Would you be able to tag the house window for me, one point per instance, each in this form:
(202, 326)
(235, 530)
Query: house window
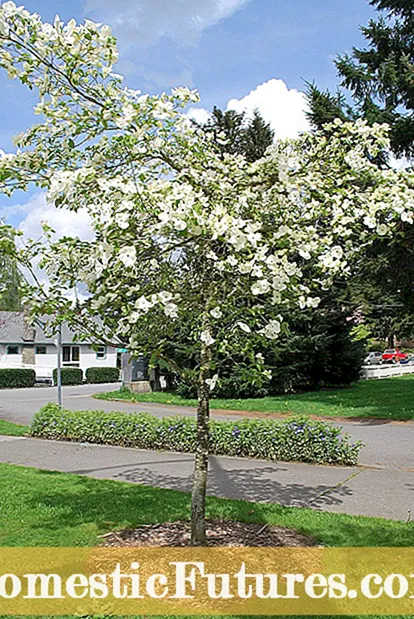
(12, 350)
(40, 350)
(70, 354)
(101, 352)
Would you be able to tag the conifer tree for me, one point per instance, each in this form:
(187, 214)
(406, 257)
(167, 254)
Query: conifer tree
(379, 77)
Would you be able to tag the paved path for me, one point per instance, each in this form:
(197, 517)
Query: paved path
(388, 445)
(383, 486)
(386, 493)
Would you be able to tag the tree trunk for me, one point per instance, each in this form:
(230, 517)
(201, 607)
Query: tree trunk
(198, 497)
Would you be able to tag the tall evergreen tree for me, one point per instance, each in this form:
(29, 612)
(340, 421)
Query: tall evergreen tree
(237, 134)
(380, 81)
(379, 78)
(10, 278)
(10, 285)
(228, 130)
(324, 106)
(258, 136)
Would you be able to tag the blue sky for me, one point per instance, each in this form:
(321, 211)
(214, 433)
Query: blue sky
(224, 48)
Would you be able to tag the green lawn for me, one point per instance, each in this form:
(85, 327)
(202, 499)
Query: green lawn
(12, 429)
(391, 398)
(39, 508)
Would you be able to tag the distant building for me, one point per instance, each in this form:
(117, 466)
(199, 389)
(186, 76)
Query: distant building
(26, 345)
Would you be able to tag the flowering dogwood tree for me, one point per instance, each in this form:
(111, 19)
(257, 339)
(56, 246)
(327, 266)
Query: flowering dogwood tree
(185, 238)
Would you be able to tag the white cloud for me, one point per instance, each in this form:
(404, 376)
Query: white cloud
(64, 222)
(284, 109)
(199, 114)
(400, 163)
(37, 210)
(144, 22)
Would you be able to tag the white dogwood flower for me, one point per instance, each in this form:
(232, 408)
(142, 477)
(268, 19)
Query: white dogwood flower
(216, 312)
(128, 256)
(260, 287)
(244, 327)
(271, 330)
(207, 338)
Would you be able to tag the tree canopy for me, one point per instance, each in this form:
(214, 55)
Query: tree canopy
(379, 81)
(238, 134)
(10, 278)
(184, 234)
(379, 77)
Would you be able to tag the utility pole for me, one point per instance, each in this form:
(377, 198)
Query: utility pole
(59, 365)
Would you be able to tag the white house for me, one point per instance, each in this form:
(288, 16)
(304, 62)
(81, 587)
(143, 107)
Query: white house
(25, 345)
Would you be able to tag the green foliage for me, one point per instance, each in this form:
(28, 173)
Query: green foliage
(102, 375)
(70, 376)
(324, 106)
(379, 77)
(296, 439)
(237, 384)
(380, 81)
(258, 136)
(235, 134)
(319, 351)
(11, 378)
(382, 287)
(229, 125)
(377, 345)
(403, 7)
(10, 278)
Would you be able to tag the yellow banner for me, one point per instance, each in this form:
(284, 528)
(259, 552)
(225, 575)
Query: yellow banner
(207, 581)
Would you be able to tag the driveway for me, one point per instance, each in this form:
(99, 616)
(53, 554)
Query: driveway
(387, 445)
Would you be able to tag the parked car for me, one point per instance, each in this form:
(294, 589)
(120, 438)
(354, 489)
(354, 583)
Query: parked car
(373, 358)
(408, 361)
(393, 355)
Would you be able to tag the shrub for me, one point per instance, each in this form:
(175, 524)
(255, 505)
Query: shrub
(102, 375)
(70, 376)
(377, 345)
(231, 387)
(295, 439)
(11, 378)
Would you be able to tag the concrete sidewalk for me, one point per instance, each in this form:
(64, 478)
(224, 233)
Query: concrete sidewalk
(385, 492)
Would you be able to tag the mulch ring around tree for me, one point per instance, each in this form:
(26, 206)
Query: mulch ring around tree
(218, 532)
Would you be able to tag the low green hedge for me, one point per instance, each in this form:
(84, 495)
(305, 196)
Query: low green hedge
(70, 376)
(17, 377)
(295, 439)
(102, 375)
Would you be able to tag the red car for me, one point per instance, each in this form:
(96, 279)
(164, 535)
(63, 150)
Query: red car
(393, 355)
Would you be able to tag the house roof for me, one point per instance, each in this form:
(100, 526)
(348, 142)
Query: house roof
(12, 328)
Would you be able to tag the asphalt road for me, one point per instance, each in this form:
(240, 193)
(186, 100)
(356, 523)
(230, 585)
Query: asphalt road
(387, 445)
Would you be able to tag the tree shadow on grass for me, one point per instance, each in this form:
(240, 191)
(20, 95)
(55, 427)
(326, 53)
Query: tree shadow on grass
(109, 505)
(105, 503)
(69, 502)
